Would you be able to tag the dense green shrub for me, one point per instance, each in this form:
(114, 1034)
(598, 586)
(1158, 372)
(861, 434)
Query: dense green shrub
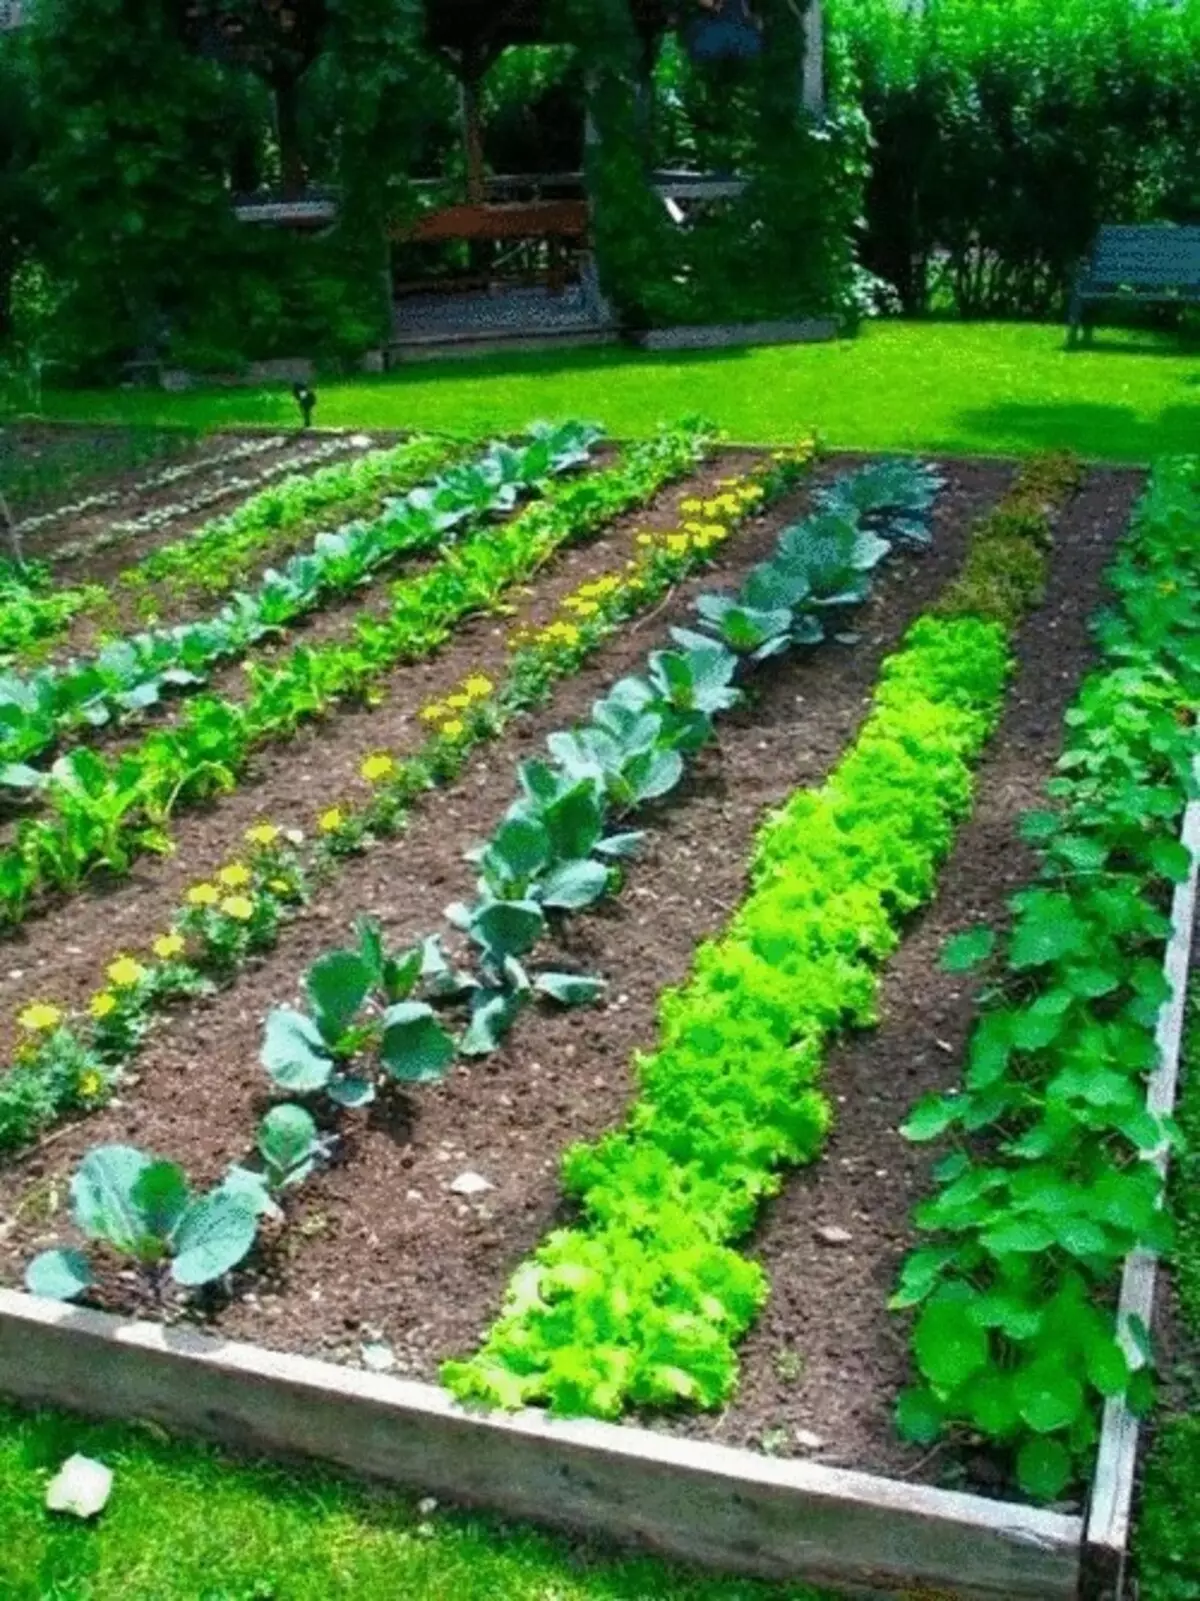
(1006, 131)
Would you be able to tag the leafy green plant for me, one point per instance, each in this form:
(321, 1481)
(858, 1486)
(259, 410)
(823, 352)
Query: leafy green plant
(360, 1009)
(1048, 1186)
(290, 1148)
(142, 1209)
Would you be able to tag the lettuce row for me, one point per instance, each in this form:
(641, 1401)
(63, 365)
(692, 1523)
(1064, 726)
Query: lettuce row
(643, 1303)
(1048, 1188)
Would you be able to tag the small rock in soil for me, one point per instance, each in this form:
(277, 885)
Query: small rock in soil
(471, 1184)
(830, 1234)
(808, 1441)
(378, 1357)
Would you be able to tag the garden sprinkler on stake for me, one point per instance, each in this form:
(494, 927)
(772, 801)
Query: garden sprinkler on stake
(306, 399)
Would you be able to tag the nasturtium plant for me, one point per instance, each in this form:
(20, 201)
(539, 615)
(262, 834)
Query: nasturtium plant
(1054, 1090)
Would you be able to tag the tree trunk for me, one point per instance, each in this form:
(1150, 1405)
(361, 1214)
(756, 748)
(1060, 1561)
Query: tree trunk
(472, 116)
(287, 115)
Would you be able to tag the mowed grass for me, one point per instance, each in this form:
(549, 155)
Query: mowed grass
(952, 387)
(186, 1524)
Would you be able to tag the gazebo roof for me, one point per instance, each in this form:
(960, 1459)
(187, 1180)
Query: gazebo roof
(461, 24)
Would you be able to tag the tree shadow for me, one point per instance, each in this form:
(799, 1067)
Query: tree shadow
(1088, 427)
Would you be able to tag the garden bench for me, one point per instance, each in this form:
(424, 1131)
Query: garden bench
(1144, 263)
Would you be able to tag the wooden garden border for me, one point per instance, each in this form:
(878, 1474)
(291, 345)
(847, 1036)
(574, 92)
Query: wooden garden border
(1106, 1539)
(734, 1510)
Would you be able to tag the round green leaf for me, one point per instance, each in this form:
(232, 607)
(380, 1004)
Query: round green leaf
(508, 928)
(1049, 1398)
(161, 1195)
(1107, 1366)
(102, 1196)
(217, 1231)
(949, 1345)
(930, 1118)
(570, 989)
(415, 1048)
(919, 1416)
(337, 985)
(967, 950)
(294, 1053)
(574, 885)
(58, 1275)
(1043, 1468)
(991, 1404)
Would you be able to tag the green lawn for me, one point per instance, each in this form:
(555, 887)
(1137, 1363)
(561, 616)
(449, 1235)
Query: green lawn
(1002, 388)
(184, 1524)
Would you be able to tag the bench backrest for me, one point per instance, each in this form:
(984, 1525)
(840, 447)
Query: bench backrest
(1148, 255)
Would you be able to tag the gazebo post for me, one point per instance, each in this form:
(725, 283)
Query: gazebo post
(474, 66)
(813, 86)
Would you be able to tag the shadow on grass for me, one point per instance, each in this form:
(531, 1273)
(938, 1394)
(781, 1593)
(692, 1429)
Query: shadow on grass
(1088, 426)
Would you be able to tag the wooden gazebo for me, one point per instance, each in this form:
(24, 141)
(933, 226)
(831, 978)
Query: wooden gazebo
(546, 217)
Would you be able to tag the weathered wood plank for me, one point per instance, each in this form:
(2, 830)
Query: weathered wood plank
(707, 1504)
(1111, 1505)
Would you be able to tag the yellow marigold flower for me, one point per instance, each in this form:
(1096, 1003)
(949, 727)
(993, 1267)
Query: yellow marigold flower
(39, 1017)
(378, 767)
(586, 608)
(433, 713)
(168, 945)
(331, 821)
(752, 492)
(124, 973)
(235, 876)
(458, 703)
(203, 895)
(239, 907)
(644, 539)
(692, 505)
(91, 1084)
(453, 729)
(102, 1004)
(715, 531)
(280, 886)
(262, 834)
(678, 543)
(478, 686)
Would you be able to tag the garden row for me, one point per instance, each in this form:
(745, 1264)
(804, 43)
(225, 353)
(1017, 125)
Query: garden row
(400, 1060)
(211, 560)
(105, 811)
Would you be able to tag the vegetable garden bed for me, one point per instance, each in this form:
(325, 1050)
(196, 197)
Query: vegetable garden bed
(396, 1252)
